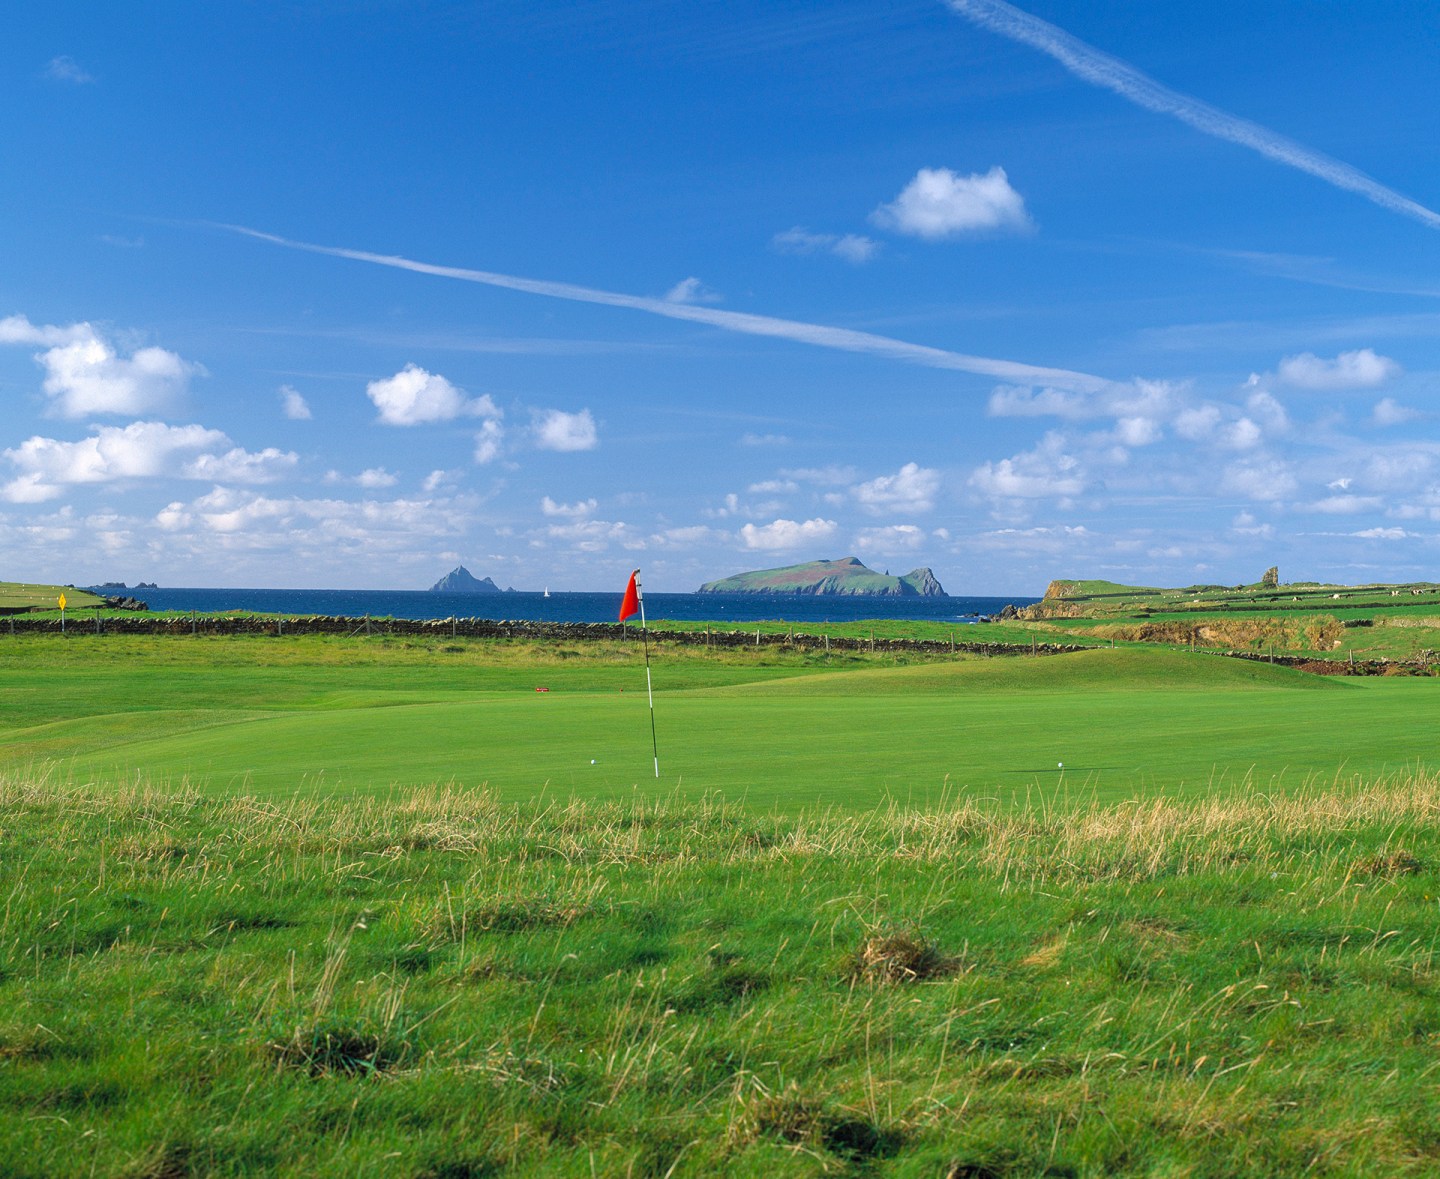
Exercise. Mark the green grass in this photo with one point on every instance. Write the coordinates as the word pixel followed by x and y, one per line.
pixel 343 906
pixel 40 597
pixel 443 984
pixel 774 727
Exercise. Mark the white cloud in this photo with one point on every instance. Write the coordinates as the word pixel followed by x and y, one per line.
pixel 137 451
pixel 296 408
pixel 938 204
pixel 691 290
pixel 85 375
pixel 595 536
pixel 1388 412
pixel 17 329
pixel 576 511
pixel 1020 401
pixel 1266 410
pixel 66 69
pixel 911 489
pixel 1259 480
pixel 787 534
pixel 1384 534
pixel 895 539
pixel 438 479
pixel 489 441
pixel 374 478
pixel 1245 524
pixel 249 521
pixel 557 430
pixel 241 466
pixel 1361 369
pixel 729 507
pixel 1198 424
pixel 1402 469
pixel 414 396
pixel 764 440
pixel 1138 398
pixel 1048 470
pixel 852 247
pixel 1137 431
pixel 1242 434
pixel 773 487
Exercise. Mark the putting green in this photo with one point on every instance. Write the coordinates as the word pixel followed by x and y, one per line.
pixel 1121 722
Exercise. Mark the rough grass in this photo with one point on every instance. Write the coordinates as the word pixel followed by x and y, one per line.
pixel 445 984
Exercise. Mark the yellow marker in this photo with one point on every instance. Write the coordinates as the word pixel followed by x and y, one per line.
pixel 62 603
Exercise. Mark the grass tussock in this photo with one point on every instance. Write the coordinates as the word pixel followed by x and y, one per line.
pixel 442 983
pixel 900 957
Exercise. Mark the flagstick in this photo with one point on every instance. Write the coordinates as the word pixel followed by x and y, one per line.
pixel 645 635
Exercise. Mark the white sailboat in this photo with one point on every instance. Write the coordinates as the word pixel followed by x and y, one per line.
pixel 547 591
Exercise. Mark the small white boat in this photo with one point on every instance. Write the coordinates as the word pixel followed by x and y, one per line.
pixel 547 591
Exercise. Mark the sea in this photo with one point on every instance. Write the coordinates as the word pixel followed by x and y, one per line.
pixel 571 607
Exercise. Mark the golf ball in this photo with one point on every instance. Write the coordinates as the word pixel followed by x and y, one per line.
pixel 592 761
pixel 1061 764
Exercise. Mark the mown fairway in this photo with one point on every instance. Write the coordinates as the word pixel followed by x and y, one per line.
pixel 283 716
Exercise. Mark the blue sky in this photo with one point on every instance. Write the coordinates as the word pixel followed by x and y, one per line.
pixel 345 294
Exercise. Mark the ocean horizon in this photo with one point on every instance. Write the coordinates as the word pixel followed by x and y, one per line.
pixel 569 606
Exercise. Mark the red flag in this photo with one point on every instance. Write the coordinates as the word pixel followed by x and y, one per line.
pixel 631 604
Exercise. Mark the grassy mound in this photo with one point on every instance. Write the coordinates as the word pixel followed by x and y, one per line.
pixel 443 984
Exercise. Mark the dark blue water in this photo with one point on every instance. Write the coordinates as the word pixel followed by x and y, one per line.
pixel 561 607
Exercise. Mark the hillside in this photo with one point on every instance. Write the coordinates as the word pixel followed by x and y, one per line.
pixel 847 576
pixel 1078 598
pixel 23 596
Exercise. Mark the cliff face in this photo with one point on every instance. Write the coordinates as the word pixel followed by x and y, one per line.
pixel 924 583
pixel 460 581
pixel 848 576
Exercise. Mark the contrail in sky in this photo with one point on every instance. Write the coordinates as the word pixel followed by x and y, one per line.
pixel 844 339
pixel 1099 68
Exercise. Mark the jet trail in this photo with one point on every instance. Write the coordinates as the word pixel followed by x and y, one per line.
pixel 843 339
pixel 1110 73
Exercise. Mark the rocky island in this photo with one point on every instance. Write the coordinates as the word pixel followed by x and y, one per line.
pixel 461 581
pixel 847 576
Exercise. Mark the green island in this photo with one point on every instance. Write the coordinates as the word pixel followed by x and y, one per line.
pixel 1134 881
pixel 845 577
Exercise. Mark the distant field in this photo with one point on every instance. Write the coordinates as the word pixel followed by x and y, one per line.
pixel 33 596
pixel 776 728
